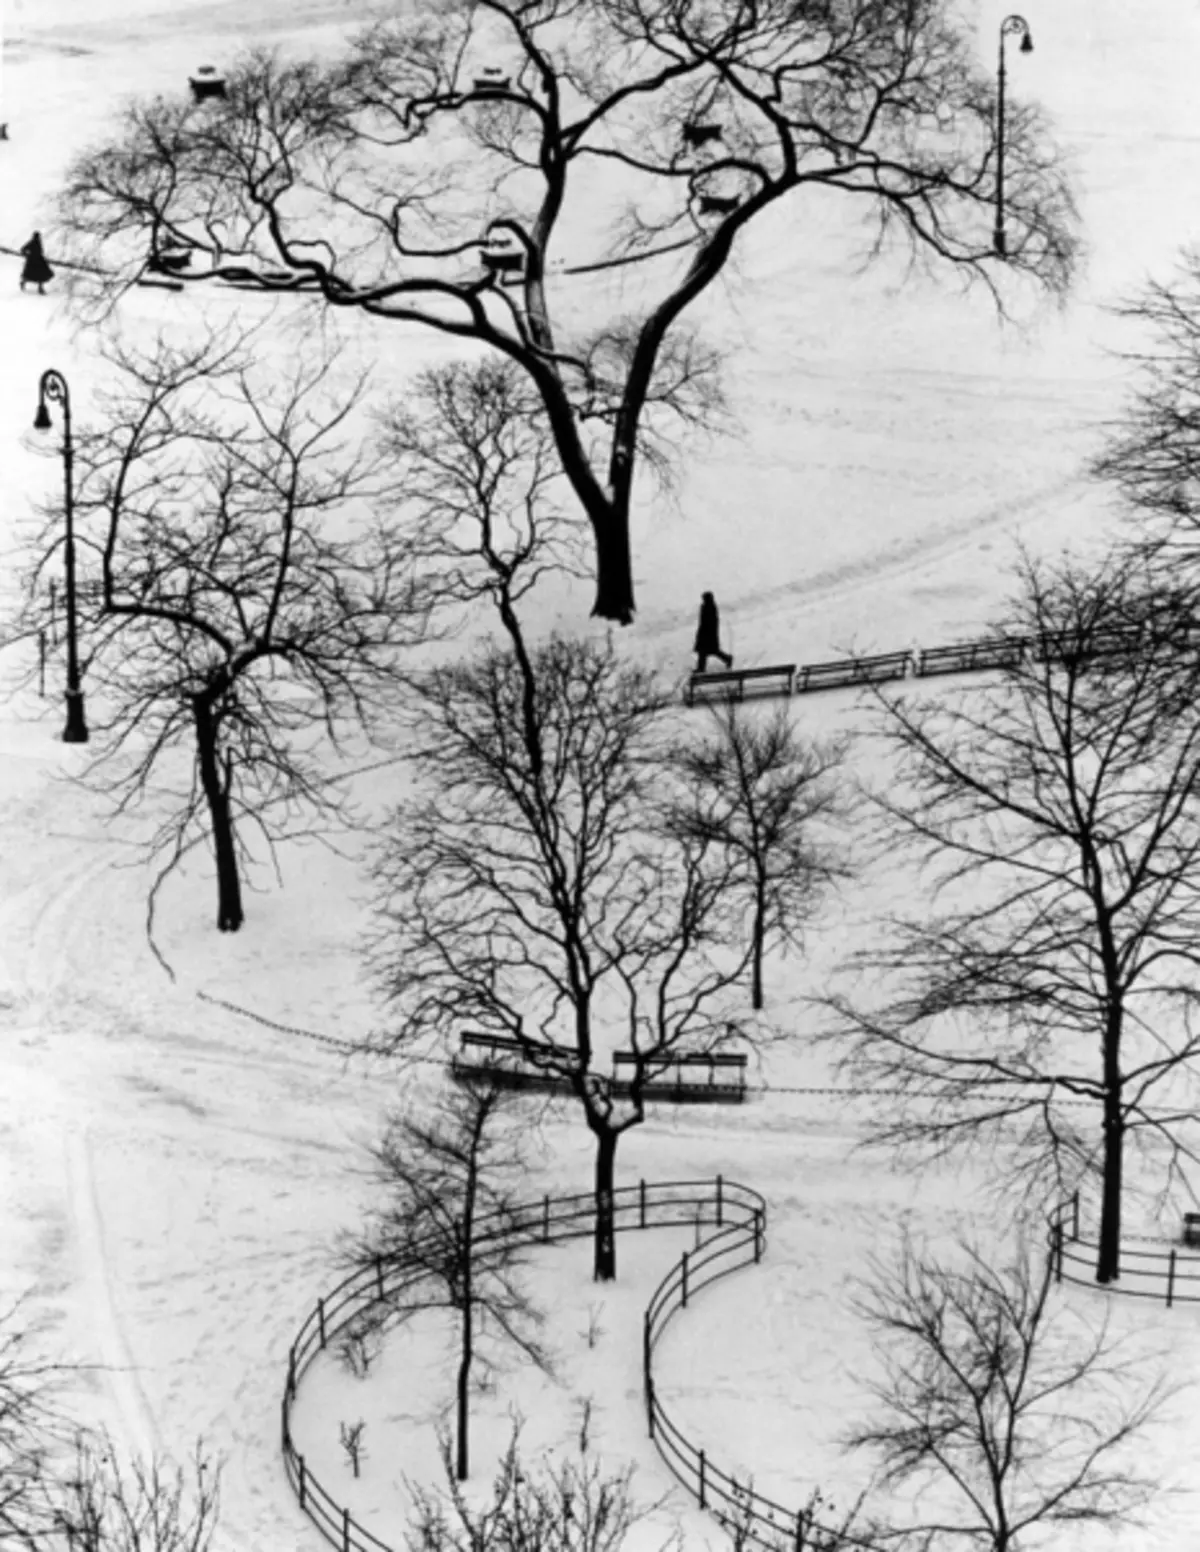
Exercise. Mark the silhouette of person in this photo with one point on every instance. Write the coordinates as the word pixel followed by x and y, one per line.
pixel 708 635
pixel 36 269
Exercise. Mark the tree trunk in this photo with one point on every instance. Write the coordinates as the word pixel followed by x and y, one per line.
pixel 614 567
pixel 467 1274
pixel 464 1389
pixel 230 915
pixel 756 962
pixel 1108 1262
pixel 605 1267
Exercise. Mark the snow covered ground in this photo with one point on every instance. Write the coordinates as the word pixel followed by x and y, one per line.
pixel 174 1175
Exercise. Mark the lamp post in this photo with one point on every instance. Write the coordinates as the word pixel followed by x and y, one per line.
pixel 1009 26
pixel 53 387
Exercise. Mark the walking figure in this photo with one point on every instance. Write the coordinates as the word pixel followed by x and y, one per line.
pixel 708 635
pixel 36 269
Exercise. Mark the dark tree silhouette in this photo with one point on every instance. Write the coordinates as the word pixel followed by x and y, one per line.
pixel 528 888
pixel 1003 1417
pixel 226 616
pixel 481 167
pixel 753 786
pixel 451 1180
pixel 1054 952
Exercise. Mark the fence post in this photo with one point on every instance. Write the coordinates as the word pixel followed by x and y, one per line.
pixel 641 1204
pixel 546 1219
pixel 758 1236
pixel 720 1202
pixel 703 1500
pixel 42 664
pixel 683 1264
pixel 1075 1216
pixel 345 1530
pixel 801 1529
pixel 321 1319
pixel 1171 1280
pixel 1057 1251
pixel 301 1484
pixel 379 1274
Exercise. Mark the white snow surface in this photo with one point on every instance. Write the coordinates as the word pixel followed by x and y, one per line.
pixel 175 1173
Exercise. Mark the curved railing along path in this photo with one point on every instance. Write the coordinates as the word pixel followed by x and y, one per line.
pixel 737 1218
pixel 1170 1274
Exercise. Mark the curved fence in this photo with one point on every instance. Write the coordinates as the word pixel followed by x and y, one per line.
pixel 737 1217
pixel 1168 1274
pixel 751 1518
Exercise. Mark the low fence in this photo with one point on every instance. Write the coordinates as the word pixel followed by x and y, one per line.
pixel 751 1518
pixel 737 1216
pixel 1168 1274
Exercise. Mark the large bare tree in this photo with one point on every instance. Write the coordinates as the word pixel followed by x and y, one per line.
pixel 1051 952
pixel 245 602
pixel 485 167
pixel 1004 1418
pixel 528 888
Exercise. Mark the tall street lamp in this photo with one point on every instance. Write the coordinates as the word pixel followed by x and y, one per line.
pixel 1009 26
pixel 53 387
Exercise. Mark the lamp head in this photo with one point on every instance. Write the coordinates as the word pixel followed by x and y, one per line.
pixel 42 421
pixel 1027 42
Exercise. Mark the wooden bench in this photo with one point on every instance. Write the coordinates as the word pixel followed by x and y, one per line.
pixel 1191 1228
pixel 878 669
pixel 1086 647
pixel 511 1063
pixel 970 656
pixel 734 684
pixel 693 1077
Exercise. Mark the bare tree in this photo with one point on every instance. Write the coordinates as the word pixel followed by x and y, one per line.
pixel 756 788
pixel 1054 951
pixel 1152 454
pixel 472 166
pixel 568 1506
pixel 104 1505
pixel 450 1220
pixel 475 500
pixel 229 616
pixel 529 889
pixel 31 1433
pixel 1003 1419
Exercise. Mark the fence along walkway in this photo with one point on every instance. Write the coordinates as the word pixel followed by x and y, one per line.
pixel 1170 1275
pixel 737 1217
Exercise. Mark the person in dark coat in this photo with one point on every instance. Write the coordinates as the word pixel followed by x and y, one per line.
pixel 708 635
pixel 36 269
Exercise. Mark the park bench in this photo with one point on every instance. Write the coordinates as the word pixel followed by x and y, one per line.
pixel 878 669
pixel 510 1063
pixel 1191 1228
pixel 734 684
pixel 970 656
pixel 206 83
pixel 1095 646
pixel 694 1077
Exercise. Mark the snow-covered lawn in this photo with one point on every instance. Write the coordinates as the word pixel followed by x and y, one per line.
pixel 175 1174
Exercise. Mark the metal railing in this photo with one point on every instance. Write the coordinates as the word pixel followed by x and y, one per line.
pixel 750 1516
pixel 738 1216
pixel 1169 1275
